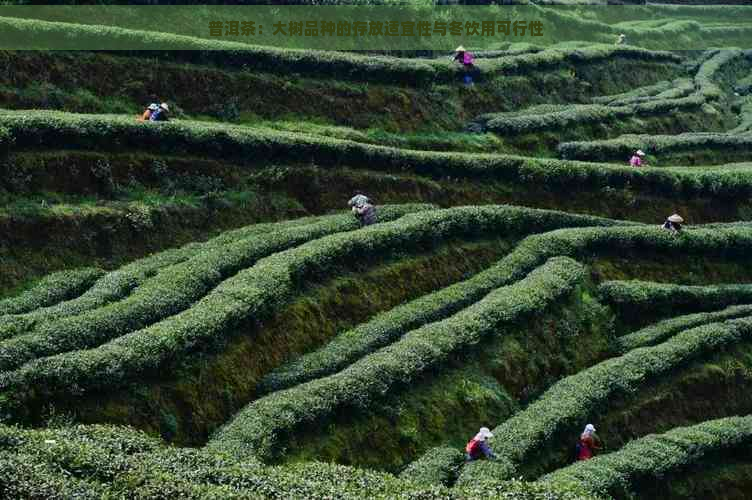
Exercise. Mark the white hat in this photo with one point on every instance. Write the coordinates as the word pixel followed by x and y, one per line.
pixel 676 218
pixel 640 152
pixel 460 49
pixel 622 35
pixel 153 106
pixel 484 433
pixel 164 106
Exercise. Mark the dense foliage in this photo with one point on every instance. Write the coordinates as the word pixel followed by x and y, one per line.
pixel 52 289
pixel 385 328
pixel 34 130
pixel 654 455
pixel 258 429
pixel 570 402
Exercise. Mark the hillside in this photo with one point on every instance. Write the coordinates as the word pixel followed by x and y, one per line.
pixel 188 309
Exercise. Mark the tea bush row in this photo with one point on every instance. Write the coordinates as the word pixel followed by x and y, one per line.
pixel 115 285
pixel 655 455
pixel 637 298
pixel 95 462
pixel 249 295
pixel 50 290
pixel 39 130
pixel 260 428
pixel 582 114
pixel 653 334
pixel 166 294
pixel 25 34
pixel 654 91
pixel 569 403
pixel 658 145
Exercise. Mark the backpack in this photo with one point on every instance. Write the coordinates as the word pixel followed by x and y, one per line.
pixel 473 447
pixel 468 58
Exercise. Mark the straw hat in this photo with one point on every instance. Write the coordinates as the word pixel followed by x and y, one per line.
pixel 640 152
pixel 460 49
pixel 676 218
pixel 164 106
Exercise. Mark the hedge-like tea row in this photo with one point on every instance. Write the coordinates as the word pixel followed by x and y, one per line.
pixel 677 98
pixel 259 429
pixel 711 71
pixel 95 462
pixel 665 89
pixel 252 293
pixel 117 284
pixel 569 403
pixel 653 334
pixel 439 468
pixel 656 145
pixel 54 288
pixel 24 33
pixel 353 344
pixel 636 298
pixel 166 294
pixel 111 287
pixel 39 130
pixel 647 91
pixel 745 118
pixel 655 455
pixel 581 114
pixel 726 239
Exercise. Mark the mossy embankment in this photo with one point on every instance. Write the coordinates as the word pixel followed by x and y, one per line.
pixel 187 402
pixel 475 388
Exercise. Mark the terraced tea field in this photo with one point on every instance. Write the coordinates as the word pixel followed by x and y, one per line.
pixel 189 310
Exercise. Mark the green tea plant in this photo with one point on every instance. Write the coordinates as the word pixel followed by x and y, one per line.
pixel 259 428
pixel 655 455
pixel 51 290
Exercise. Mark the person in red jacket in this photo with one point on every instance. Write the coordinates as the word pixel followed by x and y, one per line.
pixel 589 443
pixel 478 446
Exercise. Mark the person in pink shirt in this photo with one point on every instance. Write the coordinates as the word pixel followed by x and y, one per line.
pixel 636 160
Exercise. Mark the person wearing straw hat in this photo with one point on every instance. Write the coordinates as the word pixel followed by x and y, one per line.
pixel 478 446
pixel 466 58
pixel 637 158
pixel 589 443
pixel 622 39
pixel 161 114
pixel 673 223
